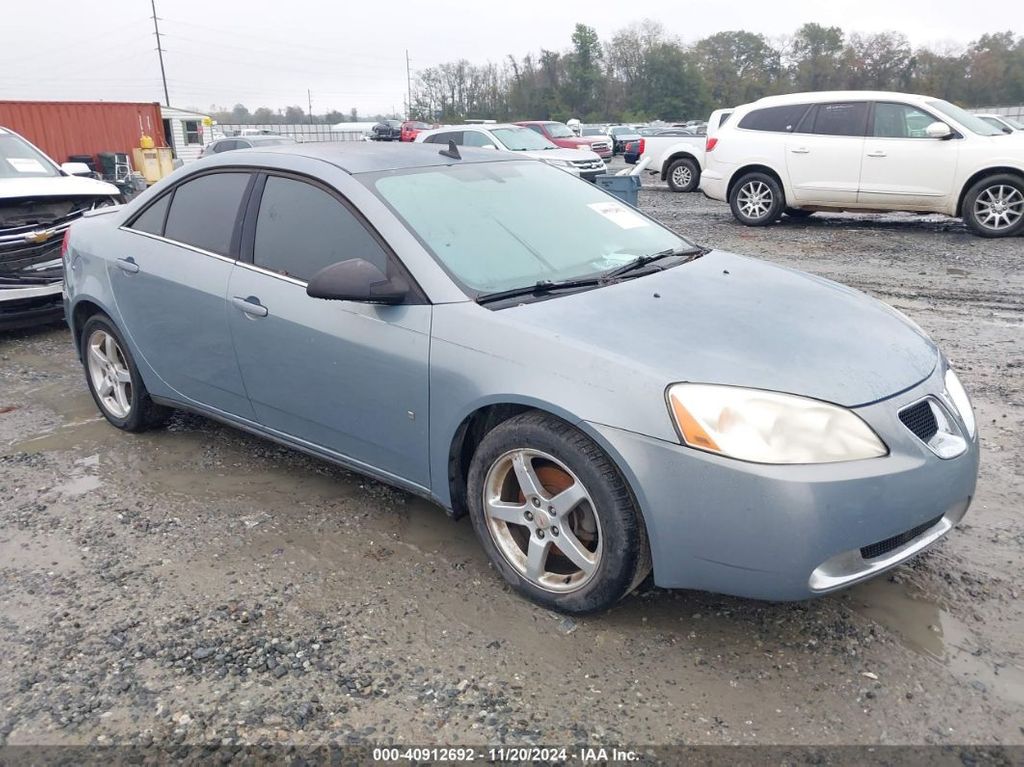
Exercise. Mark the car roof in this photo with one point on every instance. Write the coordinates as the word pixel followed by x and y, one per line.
pixel 371 157
pixel 257 137
pixel 818 97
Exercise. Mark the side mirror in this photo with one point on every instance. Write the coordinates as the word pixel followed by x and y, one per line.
pixel 356 280
pixel 938 130
pixel 75 168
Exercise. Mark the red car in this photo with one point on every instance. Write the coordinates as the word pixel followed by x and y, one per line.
pixel 411 127
pixel 559 134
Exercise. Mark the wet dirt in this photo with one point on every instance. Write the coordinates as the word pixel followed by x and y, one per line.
pixel 195 584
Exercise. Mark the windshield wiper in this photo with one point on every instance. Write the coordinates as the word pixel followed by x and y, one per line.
pixel 642 261
pixel 540 288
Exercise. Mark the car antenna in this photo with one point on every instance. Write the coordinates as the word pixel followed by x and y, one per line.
pixel 452 151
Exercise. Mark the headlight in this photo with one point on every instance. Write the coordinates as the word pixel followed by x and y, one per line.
pixel 560 163
pixel 961 401
pixel 767 427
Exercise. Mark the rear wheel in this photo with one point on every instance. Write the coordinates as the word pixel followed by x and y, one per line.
pixel 683 175
pixel 994 207
pixel 114 380
pixel 757 200
pixel 555 516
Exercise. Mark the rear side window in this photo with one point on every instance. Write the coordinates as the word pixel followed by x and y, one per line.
pixel 152 218
pixel 204 211
pixel 776 119
pixel 444 138
pixel 845 119
pixel 301 228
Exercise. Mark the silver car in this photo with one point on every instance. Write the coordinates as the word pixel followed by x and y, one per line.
pixel 600 395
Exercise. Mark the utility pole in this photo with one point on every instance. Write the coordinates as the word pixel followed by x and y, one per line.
pixel 309 100
pixel 160 52
pixel 408 86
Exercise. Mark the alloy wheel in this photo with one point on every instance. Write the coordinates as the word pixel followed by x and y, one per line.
pixel 542 520
pixel 755 199
pixel 999 207
pixel 108 371
pixel 681 176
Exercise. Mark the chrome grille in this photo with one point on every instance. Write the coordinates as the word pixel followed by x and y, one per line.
pixel 882 548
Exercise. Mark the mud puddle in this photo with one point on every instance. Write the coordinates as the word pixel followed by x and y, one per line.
pixel 924 627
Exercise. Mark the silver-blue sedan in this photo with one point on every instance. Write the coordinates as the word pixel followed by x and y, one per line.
pixel 599 394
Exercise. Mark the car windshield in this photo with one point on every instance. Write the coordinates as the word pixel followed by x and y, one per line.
pixel 622 130
pixel 521 139
pixel 559 131
pixel 502 225
pixel 18 159
pixel 973 123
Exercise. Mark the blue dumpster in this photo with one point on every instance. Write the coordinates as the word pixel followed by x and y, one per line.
pixel 626 188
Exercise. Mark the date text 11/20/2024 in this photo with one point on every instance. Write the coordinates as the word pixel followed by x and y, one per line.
pixel 500 754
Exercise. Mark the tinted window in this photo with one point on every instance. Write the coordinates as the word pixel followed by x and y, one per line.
pixel 535 128
pixel 900 121
pixel 225 146
pixel 841 119
pixel 301 229
pixel 204 211
pixel 781 119
pixel 152 218
pixel 444 138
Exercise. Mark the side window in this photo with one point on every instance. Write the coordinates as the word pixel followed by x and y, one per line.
pixel 900 121
pixel 776 119
pixel 301 229
pixel 444 138
pixel 475 138
pixel 845 119
pixel 193 133
pixel 152 218
pixel 536 129
pixel 204 211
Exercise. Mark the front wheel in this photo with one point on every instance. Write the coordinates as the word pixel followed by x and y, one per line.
pixel 114 379
pixel 555 516
pixel 994 207
pixel 683 175
pixel 757 200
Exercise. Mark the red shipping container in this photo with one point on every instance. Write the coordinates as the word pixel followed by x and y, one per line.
pixel 65 128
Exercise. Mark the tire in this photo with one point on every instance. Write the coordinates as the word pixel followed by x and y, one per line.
pixel 994 207
pixel 126 404
pixel 757 200
pixel 683 175
pixel 798 213
pixel 597 515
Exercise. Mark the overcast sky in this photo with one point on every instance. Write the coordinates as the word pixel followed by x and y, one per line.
pixel 351 53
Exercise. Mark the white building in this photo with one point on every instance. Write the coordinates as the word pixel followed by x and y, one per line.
pixel 187 132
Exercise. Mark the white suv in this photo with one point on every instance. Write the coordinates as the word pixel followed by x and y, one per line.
pixel 862 150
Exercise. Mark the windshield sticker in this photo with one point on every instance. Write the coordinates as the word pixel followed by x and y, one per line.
pixel 26 165
pixel 619 215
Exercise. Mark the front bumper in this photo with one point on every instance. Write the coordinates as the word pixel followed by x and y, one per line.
pixel 793 532
pixel 25 305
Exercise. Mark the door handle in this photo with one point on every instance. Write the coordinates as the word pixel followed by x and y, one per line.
pixel 127 265
pixel 800 150
pixel 877 153
pixel 250 306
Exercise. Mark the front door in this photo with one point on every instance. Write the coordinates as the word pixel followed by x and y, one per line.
pixel 170 279
pixel 346 377
pixel 902 166
pixel 823 157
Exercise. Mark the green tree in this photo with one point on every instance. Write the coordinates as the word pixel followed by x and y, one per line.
pixel 738 67
pixel 583 75
pixel 816 54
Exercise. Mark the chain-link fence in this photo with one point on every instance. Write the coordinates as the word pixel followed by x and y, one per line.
pixel 302 132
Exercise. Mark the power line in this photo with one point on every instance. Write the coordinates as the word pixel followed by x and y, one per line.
pixel 160 52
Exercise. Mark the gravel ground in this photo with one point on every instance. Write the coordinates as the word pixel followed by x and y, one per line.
pixel 197 585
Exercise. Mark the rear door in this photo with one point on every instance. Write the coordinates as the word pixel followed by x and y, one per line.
pixel 346 377
pixel 902 166
pixel 169 282
pixel 823 153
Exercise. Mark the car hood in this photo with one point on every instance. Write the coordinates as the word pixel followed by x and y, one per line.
pixel 56 186
pixel 729 319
